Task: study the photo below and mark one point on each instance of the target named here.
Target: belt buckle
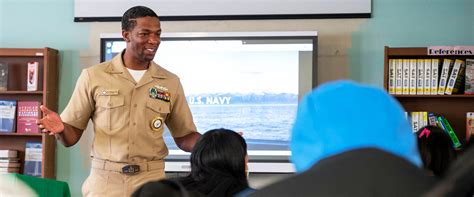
(131, 169)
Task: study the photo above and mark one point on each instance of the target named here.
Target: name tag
(108, 92)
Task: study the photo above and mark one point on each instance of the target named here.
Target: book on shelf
(469, 126)
(449, 130)
(420, 76)
(33, 158)
(423, 119)
(391, 76)
(455, 78)
(9, 170)
(7, 116)
(415, 121)
(3, 76)
(9, 160)
(434, 76)
(406, 76)
(7, 154)
(469, 77)
(28, 113)
(458, 87)
(432, 119)
(32, 76)
(427, 83)
(9, 164)
(398, 76)
(412, 76)
(443, 79)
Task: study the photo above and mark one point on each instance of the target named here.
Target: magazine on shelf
(33, 158)
(7, 116)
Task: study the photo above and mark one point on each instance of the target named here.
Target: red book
(28, 113)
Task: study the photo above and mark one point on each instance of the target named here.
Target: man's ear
(126, 36)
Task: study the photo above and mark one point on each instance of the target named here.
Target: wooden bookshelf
(47, 94)
(453, 107)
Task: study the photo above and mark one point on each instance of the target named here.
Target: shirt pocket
(156, 113)
(110, 113)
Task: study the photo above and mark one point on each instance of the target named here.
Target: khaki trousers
(107, 179)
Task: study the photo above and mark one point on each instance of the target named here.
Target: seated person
(165, 187)
(436, 149)
(218, 164)
(459, 178)
(351, 139)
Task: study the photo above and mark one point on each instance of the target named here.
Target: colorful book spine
(458, 87)
(469, 77)
(447, 64)
(455, 72)
(440, 125)
(449, 130)
(28, 113)
(432, 119)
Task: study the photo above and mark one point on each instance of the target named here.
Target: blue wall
(408, 23)
(50, 23)
(40, 23)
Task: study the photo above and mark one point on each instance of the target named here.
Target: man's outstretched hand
(51, 123)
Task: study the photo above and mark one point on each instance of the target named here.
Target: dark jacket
(362, 172)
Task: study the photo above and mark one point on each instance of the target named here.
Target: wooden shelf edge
(21, 52)
(402, 51)
(433, 96)
(21, 92)
(21, 134)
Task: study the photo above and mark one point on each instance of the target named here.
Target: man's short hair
(128, 18)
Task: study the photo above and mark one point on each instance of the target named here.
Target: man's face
(143, 40)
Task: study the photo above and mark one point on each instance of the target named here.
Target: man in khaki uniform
(129, 99)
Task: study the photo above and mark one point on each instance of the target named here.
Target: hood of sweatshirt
(344, 115)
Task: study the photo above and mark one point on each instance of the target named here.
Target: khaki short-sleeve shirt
(129, 117)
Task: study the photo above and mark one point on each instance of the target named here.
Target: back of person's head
(218, 163)
(219, 151)
(459, 178)
(128, 18)
(436, 149)
(344, 115)
(165, 187)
